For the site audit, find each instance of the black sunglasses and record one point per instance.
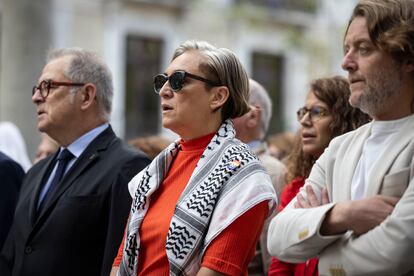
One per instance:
(176, 80)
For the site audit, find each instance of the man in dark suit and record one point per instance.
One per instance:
(74, 205)
(11, 177)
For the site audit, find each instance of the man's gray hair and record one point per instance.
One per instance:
(259, 97)
(88, 67)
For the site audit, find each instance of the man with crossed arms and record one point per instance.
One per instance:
(356, 210)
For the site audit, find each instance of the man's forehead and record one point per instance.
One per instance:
(57, 64)
(55, 69)
(59, 61)
(357, 31)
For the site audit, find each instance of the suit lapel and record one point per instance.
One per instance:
(388, 156)
(86, 159)
(38, 185)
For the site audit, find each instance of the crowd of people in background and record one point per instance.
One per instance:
(225, 197)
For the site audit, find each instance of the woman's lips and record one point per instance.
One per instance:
(166, 107)
(306, 137)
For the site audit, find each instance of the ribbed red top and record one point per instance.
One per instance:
(229, 253)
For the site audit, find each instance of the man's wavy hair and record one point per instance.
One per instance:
(390, 26)
(334, 92)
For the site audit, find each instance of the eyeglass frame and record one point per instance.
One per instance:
(186, 74)
(322, 113)
(49, 83)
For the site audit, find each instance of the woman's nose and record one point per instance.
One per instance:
(306, 120)
(165, 90)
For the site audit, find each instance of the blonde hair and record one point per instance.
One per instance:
(222, 66)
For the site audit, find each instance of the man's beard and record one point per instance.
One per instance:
(382, 90)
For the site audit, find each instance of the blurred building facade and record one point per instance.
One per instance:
(282, 44)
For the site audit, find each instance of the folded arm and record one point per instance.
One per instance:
(385, 248)
(294, 233)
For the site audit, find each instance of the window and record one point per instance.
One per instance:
(308, 6)
(268, 71)
(143, 62)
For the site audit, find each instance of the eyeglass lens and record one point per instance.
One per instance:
(43, 88)
(176, 81)
(315, 113)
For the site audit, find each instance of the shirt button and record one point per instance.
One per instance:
(28, 250)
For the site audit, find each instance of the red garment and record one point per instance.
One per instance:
(221, 255)
(280, 268)
(231, 252)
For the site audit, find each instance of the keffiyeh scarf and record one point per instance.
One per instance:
(227, 181)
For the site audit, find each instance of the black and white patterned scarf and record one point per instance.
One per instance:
(227, 181)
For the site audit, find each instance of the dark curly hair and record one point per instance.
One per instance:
(334, 92)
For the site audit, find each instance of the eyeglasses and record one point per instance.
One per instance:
(45, 85)
(176, 80)
(315, 113)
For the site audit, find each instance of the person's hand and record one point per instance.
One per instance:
(359, 216)
(368, 213)
(311, 199)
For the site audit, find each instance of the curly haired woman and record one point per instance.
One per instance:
(326, 114)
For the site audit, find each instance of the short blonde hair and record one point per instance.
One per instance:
(222, 66)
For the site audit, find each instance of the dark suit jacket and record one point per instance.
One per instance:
(79, 230)
(11, 177)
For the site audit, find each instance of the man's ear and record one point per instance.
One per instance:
(219, 97)
(253, 117)
(88, 95)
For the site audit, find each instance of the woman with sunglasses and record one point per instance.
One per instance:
(326, 114)
(192, 204)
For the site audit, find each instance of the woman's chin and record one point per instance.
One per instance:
(312, 150)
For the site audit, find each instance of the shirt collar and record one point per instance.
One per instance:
(80, 144)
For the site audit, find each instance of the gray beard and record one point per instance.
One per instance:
(381, 93)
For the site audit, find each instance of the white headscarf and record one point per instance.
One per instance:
(13, 145)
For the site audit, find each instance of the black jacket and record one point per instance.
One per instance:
(79, 230)
(11, 177)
